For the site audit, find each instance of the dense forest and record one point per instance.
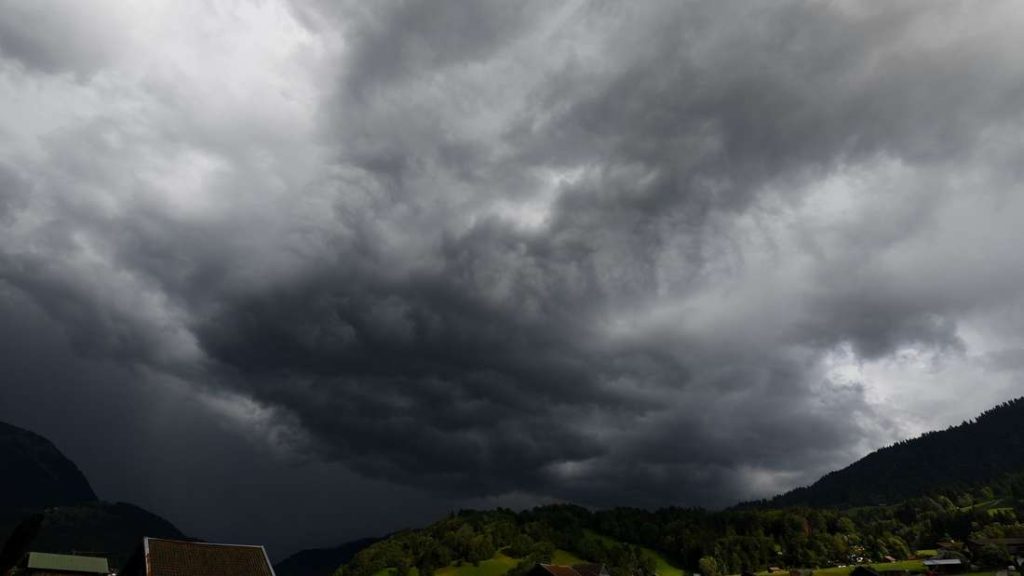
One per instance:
(952, 485)
(725, 542)
(975, 451)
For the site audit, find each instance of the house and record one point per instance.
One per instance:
(864, 571)
(588, 569)
(944, 565)
(552, 570)
(591, 569)
(159, 557)
(43, 564)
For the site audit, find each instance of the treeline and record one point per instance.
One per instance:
(725, 542)
(471, 537)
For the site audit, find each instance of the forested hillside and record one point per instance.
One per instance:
(631, 541)
(966, 481)
(47, 505)
(975, 451)
(34, 474)
(320, 561)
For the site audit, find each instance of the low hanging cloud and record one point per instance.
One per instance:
(619, 254)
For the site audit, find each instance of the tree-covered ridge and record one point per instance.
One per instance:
(320, 561)
(975, 451)
(725, 542)
(472, 537)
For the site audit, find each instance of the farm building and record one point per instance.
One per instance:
(944, 565)
(159, 557)
(43, 564)
(575, 570)
(864, 571)
(591, 569)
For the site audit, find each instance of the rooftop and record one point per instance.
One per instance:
(556, 570)
(67, 563)
(180, 558)
(942, 562)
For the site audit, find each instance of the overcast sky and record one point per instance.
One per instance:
(298, 273)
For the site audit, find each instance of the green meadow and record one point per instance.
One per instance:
(501, 563)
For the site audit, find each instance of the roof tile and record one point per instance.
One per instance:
(178, 558)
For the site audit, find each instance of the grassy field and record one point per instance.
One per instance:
(501, 563)
(496, 566)
(564, 557)
(912, 565)
(661, 566)
(924, 554)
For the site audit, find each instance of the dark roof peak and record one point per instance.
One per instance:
(188, 558)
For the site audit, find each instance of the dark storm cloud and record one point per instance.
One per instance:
(137, 439)
(486, 371)
(619, 254)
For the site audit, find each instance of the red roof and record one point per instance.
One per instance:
(589, 569)
(556, 570)
(179, 558)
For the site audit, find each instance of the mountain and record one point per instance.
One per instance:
(320, 561)
(34, 474)
(975, 451)
(47, 505)
(101, 528)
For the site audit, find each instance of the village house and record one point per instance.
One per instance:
(591, 569)
(588, 569)
(944, 565)
(864, 571)
(44, 564)
(159, 557)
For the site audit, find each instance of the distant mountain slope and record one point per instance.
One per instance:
(975, 451)
(102, 528)
(320, 561)
(34, 474)
(47, 505)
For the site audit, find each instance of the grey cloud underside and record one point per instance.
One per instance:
(549, 252)
(487, 370)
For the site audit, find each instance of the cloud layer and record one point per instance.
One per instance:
(619, 254)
